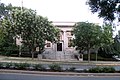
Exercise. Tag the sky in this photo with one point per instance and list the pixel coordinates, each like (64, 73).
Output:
(60, 10)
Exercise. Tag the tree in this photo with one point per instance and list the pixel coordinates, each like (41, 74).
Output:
(89, 36)
(112, 49)
(32, 28)
(1, 35)
(7, 43)
(5, 10)
(116, 44)
(107, 9)
(1, 38)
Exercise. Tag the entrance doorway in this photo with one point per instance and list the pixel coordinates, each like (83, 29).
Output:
(59, 46)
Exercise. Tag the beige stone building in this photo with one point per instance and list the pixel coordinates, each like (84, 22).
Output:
(63, 49)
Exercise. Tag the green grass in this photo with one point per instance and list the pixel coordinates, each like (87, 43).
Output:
(44, 61)
(99, 58)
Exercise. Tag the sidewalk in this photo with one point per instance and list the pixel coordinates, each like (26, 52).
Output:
(46, 61)
(59, 73)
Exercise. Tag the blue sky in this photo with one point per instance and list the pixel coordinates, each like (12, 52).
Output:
(60, 10)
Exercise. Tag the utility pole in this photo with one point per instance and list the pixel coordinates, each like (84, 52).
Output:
(21, 5)
(20, 39)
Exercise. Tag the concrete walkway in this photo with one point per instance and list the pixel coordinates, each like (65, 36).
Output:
(46, 61)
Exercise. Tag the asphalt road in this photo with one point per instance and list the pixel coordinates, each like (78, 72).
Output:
(18, 76)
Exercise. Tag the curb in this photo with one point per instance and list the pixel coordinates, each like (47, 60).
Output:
(59, 73)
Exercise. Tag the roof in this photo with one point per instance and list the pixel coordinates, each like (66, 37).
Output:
(57, 23)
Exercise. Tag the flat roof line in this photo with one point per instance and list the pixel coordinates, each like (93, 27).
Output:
(63, 22)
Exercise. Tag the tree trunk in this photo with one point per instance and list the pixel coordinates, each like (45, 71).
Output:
(88, 51)
(96, 56)
(32, 55)
(19, 51)
(39, 51)
(78, 56)
(33, 50)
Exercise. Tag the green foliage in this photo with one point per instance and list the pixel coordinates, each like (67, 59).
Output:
(4, 10)
(1, 65)
(100, 57)
(55, 67)
(116, 44)
(102, 70)
(107, 34)
(21, 66)
(39, 67)
(111, 50)
(95, 70)
(108, 51)
(89, 36)
(7, 43)
(1, 36)
(1, 39)
(72, 69)
(32, 28)
(108, 70)
(8, 65)
(107, 9)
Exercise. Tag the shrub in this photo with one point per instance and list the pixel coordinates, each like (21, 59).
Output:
(67, 69)
(101, 69)
(9, 65)
(21, 66)
(15, 65)
(55, 67)
(108, 69)
(1, 65)
(95, 70)
(39, 67)
(72, 69)
(85, 70)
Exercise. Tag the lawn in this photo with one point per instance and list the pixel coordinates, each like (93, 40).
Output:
(99, 58)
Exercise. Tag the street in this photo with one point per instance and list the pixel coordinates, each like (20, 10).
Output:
(19, 76)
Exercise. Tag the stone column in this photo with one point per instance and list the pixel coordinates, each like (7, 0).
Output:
(64, 43)
(64, 40)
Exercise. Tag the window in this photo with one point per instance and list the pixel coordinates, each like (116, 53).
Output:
(48, 44)
(61, 35)
(70, 42)
(59, 46)
(69, 33)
